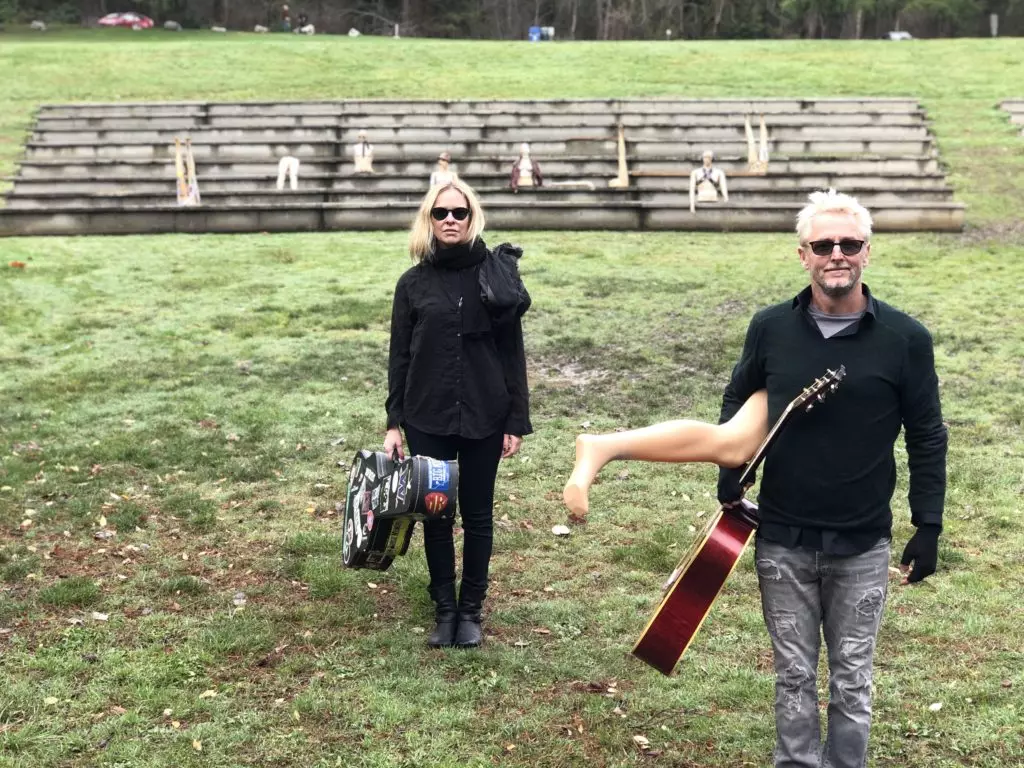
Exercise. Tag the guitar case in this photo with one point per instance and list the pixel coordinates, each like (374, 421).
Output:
(385, 498)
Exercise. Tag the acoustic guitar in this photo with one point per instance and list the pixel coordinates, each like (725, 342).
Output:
(693, 586)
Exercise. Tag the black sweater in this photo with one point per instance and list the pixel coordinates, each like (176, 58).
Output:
(452, 370)
(833, 468)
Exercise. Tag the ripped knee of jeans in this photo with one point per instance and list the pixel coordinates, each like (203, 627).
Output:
(768, 569)
(870, 603)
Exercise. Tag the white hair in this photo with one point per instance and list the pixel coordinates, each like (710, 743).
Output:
(832, 202)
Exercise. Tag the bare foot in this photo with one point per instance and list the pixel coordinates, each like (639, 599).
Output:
(588, 464)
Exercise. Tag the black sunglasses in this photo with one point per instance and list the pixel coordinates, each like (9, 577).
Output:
(848, 246)
(440, 214)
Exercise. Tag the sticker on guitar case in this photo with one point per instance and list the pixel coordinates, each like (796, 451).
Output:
(435, 502)
(440, 477)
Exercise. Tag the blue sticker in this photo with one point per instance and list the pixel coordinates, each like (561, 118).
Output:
(440, 476)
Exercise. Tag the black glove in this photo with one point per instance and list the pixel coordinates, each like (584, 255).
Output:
(923, 551)
(729, 489)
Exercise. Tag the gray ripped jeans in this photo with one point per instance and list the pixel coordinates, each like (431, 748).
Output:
(803, 591)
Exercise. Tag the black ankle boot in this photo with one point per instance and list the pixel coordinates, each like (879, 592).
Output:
(468, 634)
(471, 601)
(446, 615)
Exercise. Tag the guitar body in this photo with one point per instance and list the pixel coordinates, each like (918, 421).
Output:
(693, 587)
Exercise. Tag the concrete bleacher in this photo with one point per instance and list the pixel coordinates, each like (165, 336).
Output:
(109, 168)
(1016, 109)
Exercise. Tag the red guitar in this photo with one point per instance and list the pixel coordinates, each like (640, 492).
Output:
(693, 586)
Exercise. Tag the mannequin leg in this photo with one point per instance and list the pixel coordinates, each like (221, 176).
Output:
(728, 445)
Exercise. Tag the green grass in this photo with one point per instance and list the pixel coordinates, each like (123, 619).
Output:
(191, 392)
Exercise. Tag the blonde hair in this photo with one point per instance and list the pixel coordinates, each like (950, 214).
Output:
(831, 201)
(421, 234)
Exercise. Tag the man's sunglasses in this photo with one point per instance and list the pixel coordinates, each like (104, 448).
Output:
(847, 245)
(440, 214)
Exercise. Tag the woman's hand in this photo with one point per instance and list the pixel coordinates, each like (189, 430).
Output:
(393, 442)
(510, 445)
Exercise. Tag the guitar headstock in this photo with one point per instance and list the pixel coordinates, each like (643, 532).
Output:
(819, 389)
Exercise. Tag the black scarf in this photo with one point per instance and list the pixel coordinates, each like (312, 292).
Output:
(459, 256)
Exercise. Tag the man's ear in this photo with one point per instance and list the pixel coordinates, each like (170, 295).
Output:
(804, 262)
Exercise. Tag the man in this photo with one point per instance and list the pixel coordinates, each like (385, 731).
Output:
(822, 548)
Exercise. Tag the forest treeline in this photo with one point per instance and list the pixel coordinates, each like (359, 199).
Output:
(571, 19)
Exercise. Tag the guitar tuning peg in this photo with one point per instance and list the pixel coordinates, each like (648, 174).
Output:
(810, 406)
(821, 396)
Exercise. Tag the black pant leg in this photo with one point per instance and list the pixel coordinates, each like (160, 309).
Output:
(478, 468)
(438, 543)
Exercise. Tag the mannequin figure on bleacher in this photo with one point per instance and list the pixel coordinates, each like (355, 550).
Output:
(525, 170)
(362, 154)
(707, 182)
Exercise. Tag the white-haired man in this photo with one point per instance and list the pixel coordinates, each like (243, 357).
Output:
(822, 547)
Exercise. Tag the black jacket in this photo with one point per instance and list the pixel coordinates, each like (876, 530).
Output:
(833, 468)
(453, 369)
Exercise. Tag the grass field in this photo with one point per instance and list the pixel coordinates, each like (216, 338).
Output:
(173, 411)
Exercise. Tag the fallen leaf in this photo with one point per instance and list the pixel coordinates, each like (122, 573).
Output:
(50, 701)
(295, 715)
(561, 530)
(115, 710)
(197, 745)
(1007, 683)
(17, 264)
(541, 631)
(168, 712)
(935, 707)
(208, 694)
(642, 742)
(97, 616)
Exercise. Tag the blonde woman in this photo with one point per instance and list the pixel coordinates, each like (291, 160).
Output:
(457, 388)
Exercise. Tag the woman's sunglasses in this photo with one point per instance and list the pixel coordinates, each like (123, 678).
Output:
(848, 246)
(440, 214)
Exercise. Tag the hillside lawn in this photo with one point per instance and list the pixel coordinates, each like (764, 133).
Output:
(195, 401)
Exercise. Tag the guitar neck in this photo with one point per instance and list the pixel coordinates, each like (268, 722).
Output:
(762, 449)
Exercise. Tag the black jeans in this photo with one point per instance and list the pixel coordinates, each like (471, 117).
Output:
(478, 468)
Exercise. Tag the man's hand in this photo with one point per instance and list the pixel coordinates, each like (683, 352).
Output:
(510, 445)
(923, 551)
(393, 442)
(730, 492)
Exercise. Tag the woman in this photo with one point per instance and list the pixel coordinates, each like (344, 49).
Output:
(457, 387)
(443, 175)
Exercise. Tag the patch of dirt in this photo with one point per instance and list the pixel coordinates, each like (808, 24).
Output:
(1000, 232)
(569, 374)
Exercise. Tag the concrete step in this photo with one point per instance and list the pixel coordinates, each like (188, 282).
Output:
(382, 137)
(566, 106)
(627, 215)
(268, 195)
(578, 166)
(211, 182)
(228, 149)
(443, 120)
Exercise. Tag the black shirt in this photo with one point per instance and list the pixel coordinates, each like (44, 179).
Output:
(453, 370)
(830, 476)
